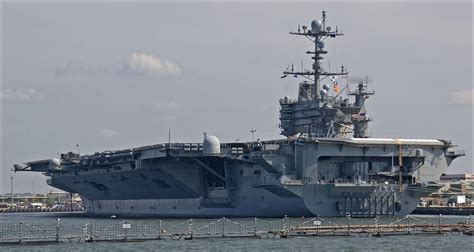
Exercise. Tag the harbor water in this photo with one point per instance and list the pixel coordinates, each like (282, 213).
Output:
(71, 221)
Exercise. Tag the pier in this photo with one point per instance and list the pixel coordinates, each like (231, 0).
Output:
(115, 230)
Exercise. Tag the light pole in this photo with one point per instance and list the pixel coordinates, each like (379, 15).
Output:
(253, 134)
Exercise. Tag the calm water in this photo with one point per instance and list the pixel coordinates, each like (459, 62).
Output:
(393, 243)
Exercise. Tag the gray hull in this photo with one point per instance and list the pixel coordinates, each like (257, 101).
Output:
(315, 177)
(192, 208)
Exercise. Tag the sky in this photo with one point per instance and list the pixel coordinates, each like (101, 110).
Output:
(107, 76)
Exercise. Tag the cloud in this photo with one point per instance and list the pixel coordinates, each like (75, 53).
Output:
(137, 64)
(78, 68)
(165, 105)
(21, 94)
(108, 133)
(140, 63)
(463, 97)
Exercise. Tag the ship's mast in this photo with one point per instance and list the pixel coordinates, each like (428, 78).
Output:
(317, 34)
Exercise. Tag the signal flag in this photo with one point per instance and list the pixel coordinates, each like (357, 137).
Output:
(335, 88)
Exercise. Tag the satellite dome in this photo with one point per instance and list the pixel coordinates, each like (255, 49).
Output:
(315, 25)
(211, 145)
(326, 87)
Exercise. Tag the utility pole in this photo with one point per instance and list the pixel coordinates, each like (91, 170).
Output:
(11, 189)
(3, 195)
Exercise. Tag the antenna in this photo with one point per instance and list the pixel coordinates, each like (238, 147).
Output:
(360, 79)
(169, 137)
(324, 20)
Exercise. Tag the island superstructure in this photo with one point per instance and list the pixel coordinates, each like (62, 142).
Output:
(327, 165)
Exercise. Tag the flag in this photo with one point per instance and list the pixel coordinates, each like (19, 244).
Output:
(336, 88)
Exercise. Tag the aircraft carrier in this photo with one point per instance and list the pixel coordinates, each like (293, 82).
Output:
(326, 164)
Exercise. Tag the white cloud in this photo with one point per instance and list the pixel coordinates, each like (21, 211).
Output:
(108, 133)
(165, 105)
(463, 97)
(140, 63)
(21, 94)
(137, 64)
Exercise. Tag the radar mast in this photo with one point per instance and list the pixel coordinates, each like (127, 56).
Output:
(317, 34)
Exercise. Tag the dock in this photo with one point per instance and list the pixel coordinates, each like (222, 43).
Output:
(46, 209)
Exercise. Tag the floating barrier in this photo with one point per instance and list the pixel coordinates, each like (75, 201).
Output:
(114, 230)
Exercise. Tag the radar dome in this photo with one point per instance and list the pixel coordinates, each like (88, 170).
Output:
(211, 145)
(55, 164)
(315, 25)
(326, 87)
(323, 92)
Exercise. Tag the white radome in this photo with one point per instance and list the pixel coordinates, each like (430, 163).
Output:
(316, 25)
(55, 164)
(211, 145)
